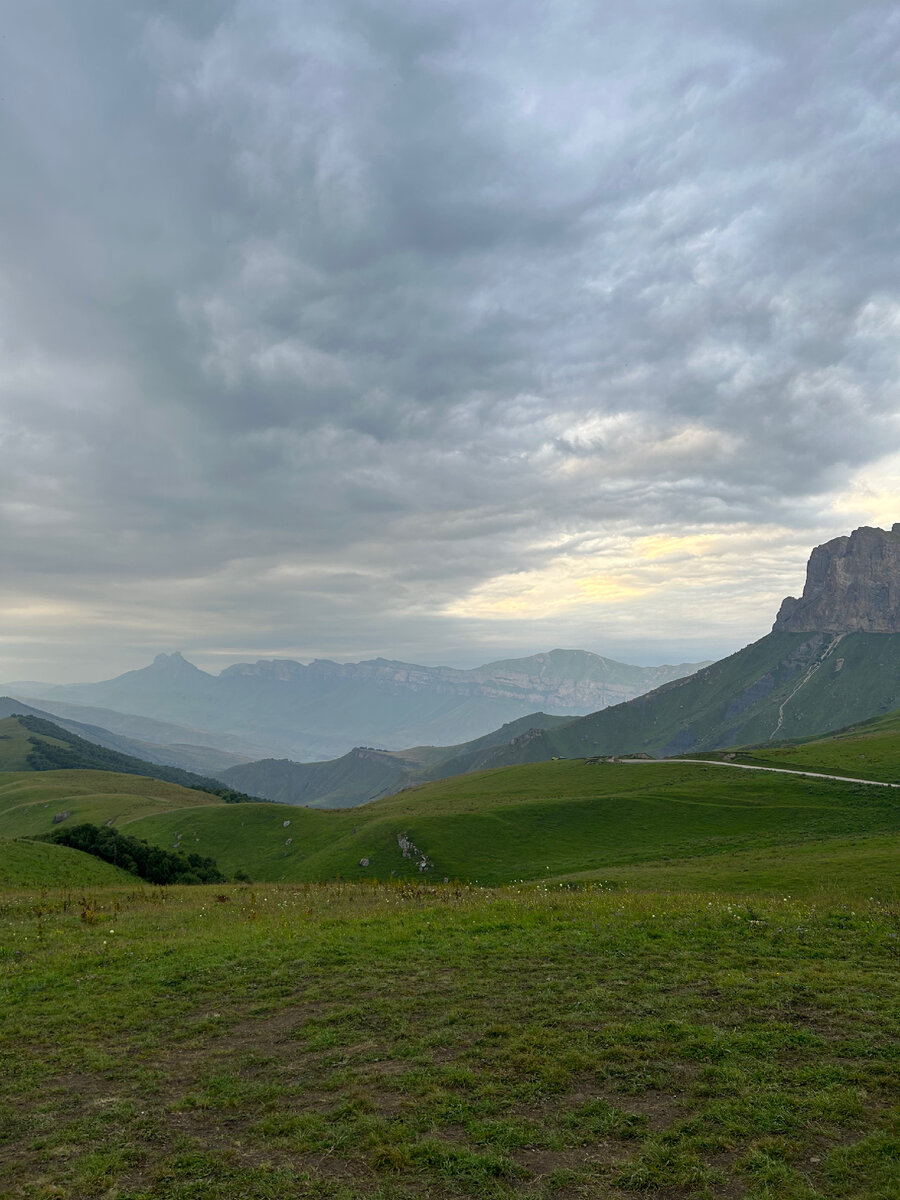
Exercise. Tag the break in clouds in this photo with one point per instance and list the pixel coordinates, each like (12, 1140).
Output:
(375, 326)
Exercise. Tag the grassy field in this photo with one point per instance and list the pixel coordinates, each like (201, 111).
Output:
(355, 1041)
(530, 822)
(516, 823)
(30, 800)
(695, 996)
(859, 869)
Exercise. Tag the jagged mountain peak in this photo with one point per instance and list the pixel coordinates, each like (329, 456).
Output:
(167, 666)
(852, 586)
(175, 659)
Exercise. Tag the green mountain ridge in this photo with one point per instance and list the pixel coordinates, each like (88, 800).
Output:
(31, 742)
(783, 687)
(140, 737)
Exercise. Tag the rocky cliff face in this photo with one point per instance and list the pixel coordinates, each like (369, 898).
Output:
(852, 585)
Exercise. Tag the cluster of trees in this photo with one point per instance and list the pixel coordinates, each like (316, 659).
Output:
(140, 858)
(76, 754)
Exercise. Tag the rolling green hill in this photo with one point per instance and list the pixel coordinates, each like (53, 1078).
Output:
(548, 820)
(869, 750)
(30, 801)
(38, 864)
(859, 868)
(533, 822)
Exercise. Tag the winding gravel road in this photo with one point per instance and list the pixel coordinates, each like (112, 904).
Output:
(716, 762)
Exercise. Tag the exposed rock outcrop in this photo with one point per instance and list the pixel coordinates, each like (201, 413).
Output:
(852, 585)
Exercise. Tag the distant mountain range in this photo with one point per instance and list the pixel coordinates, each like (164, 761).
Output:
(797, 682)
(783, 687)
(324, 709)
(832, 660)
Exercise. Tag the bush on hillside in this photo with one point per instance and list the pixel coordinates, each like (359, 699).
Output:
(140, 858)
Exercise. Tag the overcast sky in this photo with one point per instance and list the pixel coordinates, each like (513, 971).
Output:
(438, 329)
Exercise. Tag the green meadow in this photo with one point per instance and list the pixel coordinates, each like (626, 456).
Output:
(353, 1040)
(535, 822)
(29, 801)
(646, 979)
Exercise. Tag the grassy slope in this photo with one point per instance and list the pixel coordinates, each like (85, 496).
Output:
(29, 801)
(860, 869)
(515, 823)
(545, 820)
(737, 700)
(348, 1042)
(432, 757)
(532, 821)
(256, 840)
(37, 864)
(15, 745)
(870, 750)
(32, 743)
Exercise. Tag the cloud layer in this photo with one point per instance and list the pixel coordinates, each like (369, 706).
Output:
(377, 327)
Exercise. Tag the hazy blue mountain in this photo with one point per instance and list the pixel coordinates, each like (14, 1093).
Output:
(365, 774)
(785, 686)
(322, 709)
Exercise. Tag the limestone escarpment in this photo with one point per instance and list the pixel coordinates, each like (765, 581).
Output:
(852, 586)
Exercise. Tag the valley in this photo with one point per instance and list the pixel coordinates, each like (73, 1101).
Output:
(534, 822)
(648, 951)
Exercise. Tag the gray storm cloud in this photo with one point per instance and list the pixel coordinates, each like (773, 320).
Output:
(381, 327)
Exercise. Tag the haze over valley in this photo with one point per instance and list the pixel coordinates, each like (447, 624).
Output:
(323, 709)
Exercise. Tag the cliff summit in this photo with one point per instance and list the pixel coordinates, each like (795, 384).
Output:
(852, 586)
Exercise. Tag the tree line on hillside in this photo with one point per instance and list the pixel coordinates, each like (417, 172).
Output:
(80, 755)
(151, 863)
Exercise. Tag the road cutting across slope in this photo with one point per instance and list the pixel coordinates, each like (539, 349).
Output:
(717, 762)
